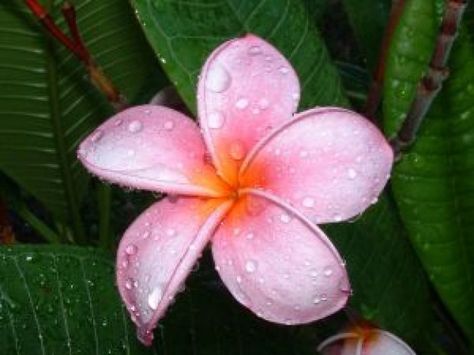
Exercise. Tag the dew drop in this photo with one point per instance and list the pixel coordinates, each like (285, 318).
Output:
(295, 96)
(316, 300)
(251, 266)
(129, 284)
(255, 50)
(135, 126)
(337, 217)
(351, 173)
(154, 298)
(216, 120)
(249, 236)
(147, 112)
(117, 122)
(170, 232)
(218, 79)
(308, 202)
(97, 135)
(283, 70)
(284, 218)
(169, 125)
(237, 150)
(241, 103)
(131, 249)
(239, 279)
(327, 271)
(145, 234)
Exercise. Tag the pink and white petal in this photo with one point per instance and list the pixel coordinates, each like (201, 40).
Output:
(153, 148)
(385, 343)
(278, 264)
(157, 253)
(330, 163)
(245, 89)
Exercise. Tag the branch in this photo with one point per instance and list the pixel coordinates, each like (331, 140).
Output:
(375, 93)
(76, 46)
(431, 83)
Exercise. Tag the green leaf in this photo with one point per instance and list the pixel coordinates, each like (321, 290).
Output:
(389, 285)
(368, 19)
(47, 104)
(61, 300)
(184, 33)
(434, 188)
(410, 51)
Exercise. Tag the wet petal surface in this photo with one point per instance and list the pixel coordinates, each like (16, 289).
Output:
(277, 264)
(157, 253)
(245, 89)
(329, 163)
(153, 148)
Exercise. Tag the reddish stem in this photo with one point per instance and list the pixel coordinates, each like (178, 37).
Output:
(78, 48)
(375, 92)
(431, 83)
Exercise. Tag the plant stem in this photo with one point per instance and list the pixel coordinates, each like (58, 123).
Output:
(431, 83)
(104, 194)
(38, 225)
(375, 92)
(76, 46)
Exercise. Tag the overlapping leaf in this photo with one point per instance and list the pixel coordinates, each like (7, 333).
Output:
(46, 102)
(434, 187)
(61, 300)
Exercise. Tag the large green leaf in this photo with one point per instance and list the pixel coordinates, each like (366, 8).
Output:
(184, 33)
(47, 104)
(61, 300)
(389, 285)
(434, 188)
(410, 51)
(368, 19)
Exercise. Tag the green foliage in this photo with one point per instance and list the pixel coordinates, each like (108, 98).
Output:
(434, 188)
(47, 104)
(183, 34)
(61, 300)
(410, 52)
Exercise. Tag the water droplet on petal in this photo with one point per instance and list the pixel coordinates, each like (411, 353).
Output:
(218, 79)
(284, 70)
(145, 234)
(129, 284)
(154, 298)
(316, 300)
(255, 50)
(251, 266)
(117, 122)
(97, 135)
(170, 232)
(237, 150)
(135, 126)
(351, 173)
(308, 202)
(249, 236)
(239, 279)
(327, 271)
(284, 218)
(241, 103)
(131, 249)
(169, 125)
(215, 120)
(337, 217)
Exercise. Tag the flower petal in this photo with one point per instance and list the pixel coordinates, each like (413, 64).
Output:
(153, 148)
(246, 87)
(278, 264)
(330, 163)
(157, 253)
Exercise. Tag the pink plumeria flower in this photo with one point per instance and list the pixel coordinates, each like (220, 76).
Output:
(364, 340)
(252, 180)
